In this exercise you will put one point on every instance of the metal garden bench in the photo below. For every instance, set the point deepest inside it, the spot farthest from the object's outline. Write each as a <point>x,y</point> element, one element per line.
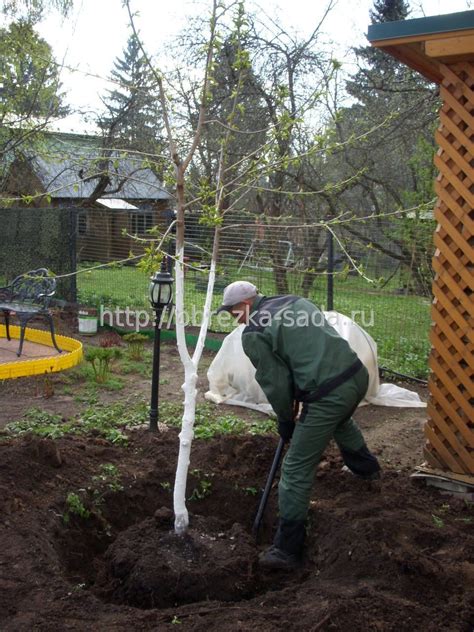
<point>27,297</point>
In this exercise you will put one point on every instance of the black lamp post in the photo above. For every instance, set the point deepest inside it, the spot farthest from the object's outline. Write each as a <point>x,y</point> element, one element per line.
<point>161,292</point>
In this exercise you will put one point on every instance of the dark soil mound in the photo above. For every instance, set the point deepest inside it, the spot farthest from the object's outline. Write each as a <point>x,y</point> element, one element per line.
<point>152,569</point>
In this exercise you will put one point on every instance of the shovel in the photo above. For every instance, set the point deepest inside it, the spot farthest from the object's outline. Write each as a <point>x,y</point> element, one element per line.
<point>268,486</point>
<point>271,477</point>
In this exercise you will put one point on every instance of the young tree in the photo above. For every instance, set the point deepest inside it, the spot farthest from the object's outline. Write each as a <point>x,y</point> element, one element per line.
<point>181,163</point>
<point>239,132</point>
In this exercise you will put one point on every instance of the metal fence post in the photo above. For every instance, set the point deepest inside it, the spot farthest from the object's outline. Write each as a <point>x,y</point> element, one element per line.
<point>330,273</point>
<point>73,254</point>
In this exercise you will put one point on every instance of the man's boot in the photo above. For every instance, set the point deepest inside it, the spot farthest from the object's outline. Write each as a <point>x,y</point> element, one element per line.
<point>287,549</point>
<point>362,463</point>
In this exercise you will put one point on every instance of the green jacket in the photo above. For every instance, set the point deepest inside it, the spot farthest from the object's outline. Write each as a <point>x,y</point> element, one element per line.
<point>294,350</point>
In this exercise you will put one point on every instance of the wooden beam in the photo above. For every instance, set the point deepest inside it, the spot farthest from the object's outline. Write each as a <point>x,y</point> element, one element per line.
<point>415,57</point>
<point>447,48</point>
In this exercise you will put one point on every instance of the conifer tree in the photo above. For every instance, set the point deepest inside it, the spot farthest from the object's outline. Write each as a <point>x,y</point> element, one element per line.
<point>378,72</point>
<point>132,119</point>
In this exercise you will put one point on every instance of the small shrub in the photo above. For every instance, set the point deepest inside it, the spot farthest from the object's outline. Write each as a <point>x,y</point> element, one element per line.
<point>136,345</point>
<point>46,388</point>
<point>110,339</point>
<point>100,358</point>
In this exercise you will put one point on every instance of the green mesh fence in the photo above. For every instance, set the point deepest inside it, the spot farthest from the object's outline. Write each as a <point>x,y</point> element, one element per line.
<point>380,270</point>
<point>380,292</point>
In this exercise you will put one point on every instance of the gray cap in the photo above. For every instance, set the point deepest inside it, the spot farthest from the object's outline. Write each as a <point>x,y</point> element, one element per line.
<point>235,293</point>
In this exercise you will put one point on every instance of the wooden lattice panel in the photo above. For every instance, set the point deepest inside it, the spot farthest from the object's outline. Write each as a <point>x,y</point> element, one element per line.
<point>450,427</point>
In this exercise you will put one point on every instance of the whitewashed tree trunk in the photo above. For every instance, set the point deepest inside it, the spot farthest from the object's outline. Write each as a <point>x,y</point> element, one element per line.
<point>190,364</point>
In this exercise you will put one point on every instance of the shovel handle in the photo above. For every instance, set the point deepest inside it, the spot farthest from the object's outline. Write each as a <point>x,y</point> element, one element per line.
<point>268,486</point>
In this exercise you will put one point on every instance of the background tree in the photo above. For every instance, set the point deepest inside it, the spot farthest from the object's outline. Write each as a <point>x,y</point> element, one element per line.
<point>395,159</point>
<point>30,84</point>
<point>247,120</point>
<point>131,126</point>
<point>33,10</point>
<point>242,126</point>
<point>292,72</point>
<point>132,120</point>
<point>30,91</point>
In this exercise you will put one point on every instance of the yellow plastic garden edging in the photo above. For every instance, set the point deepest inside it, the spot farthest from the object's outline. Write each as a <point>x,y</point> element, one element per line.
<point>71,354</point>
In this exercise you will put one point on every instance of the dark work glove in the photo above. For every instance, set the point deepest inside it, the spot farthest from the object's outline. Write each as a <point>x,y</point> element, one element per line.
<point>285,429</point>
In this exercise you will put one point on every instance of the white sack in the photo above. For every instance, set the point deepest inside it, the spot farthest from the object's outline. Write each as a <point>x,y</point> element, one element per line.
<point>396,396</point>
<point>360,342</point>
<point>232,376</point>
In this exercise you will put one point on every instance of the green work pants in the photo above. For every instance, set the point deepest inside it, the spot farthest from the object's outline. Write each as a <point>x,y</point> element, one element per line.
<point>327,418</point>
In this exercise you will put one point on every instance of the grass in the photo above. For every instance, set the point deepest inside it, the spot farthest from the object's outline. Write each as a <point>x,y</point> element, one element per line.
<point>398,323</point>
<point>114,286</point>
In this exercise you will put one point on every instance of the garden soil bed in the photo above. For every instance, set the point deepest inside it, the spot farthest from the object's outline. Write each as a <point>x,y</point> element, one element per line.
<point>394,555</point>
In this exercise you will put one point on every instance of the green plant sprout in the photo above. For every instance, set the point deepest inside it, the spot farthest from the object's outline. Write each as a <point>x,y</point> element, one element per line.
<point>75,506</point>
<point>108,477</point>
<point>439,522</point>
<point>203,487</point>
<point>252,491</point>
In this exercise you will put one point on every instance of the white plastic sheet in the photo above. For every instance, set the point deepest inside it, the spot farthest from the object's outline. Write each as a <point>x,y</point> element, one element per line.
<point>232,376</point>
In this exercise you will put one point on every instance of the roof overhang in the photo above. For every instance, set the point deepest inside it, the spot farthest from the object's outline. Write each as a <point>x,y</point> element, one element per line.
<point>426,43</point>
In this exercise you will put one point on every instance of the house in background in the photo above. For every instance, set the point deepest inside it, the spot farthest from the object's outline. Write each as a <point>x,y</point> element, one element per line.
<point>112,194</point>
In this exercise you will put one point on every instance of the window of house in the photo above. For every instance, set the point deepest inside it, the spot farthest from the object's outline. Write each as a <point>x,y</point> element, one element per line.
<point>82,223</point>
<point>141,223</point>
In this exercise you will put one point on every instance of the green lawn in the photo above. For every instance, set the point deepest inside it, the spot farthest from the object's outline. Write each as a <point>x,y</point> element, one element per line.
<point>398,324</point>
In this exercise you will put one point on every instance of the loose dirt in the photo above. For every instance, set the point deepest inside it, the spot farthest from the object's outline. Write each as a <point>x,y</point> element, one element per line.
<point>389,556</point>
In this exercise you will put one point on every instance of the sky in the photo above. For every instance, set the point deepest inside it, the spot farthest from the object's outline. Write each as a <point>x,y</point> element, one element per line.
<point>96,32</point>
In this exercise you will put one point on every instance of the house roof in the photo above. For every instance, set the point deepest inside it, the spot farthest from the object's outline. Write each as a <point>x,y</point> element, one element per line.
<point>422,26</point>
<point>425,43</point>
<point>69,166</point>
